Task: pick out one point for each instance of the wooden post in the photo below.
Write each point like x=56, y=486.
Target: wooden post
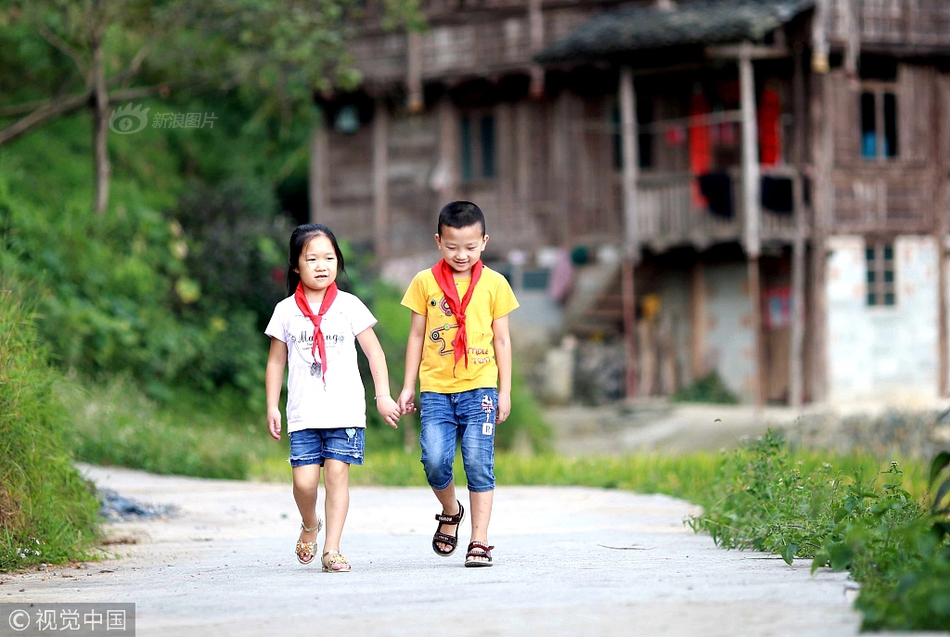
x=750, y=205
x=940, y=229
x=698, y=320
x=318, y=172
x=561, y=157
x=631, y=165
x=381, y=181
x=414, y=100
x=797, y=341
x=822, y=210
x=448, y=177
x=536, y=31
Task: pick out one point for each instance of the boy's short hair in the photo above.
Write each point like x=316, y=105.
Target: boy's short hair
x=461, y=214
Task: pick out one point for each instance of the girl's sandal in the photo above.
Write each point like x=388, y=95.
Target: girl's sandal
x=308, y=548
x=479, y=554
x=442, y=538
x=332, y=559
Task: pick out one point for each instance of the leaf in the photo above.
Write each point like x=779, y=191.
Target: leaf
x=841, y=556
x=941, y=492
x=788, y=553
x=938, y=465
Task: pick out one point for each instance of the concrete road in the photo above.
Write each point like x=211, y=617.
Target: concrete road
x=569, y=561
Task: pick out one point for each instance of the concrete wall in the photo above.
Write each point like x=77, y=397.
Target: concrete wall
x=882, y=354
x=730, y=343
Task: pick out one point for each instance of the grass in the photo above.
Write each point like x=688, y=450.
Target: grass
x=47, y=511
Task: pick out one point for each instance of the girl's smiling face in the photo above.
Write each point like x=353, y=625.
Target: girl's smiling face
x=317, y=264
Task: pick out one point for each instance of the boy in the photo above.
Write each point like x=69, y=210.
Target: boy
x=460, y=349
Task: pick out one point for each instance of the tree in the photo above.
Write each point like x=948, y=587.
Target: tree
x=279, y=50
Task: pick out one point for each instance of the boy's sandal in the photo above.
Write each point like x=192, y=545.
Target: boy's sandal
x=308, y=548
x=442, y=538
x=334, y=562
x=479, y=554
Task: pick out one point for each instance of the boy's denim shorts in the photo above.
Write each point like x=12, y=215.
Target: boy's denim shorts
x=313, y=446
x=446, y=418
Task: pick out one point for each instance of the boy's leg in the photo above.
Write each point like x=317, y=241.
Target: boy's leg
x=437, y=440
x=476, y=413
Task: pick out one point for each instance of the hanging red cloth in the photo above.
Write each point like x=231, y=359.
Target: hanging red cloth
x=700, y=157
x=770, y=137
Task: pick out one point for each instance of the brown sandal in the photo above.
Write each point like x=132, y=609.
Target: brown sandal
x=484, y=551
x=442, y=538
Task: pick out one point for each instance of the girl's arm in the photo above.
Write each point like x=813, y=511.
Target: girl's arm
x=273, y=382
x=417, y=335
x=377, y=365
x=502, y=343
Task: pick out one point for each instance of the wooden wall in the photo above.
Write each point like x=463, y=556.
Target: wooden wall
x=893, y=195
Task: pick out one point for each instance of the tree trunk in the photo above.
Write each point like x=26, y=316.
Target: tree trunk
x=100, y=128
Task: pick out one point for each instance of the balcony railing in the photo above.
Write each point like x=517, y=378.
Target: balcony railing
x=905, y=22
x=670, y=212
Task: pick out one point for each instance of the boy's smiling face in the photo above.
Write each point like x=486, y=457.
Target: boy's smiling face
x=462, y=247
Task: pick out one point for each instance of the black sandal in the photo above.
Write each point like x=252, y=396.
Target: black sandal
x=442, y=538
x=484, y=554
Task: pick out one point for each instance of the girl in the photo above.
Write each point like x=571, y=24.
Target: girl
x=312, y=332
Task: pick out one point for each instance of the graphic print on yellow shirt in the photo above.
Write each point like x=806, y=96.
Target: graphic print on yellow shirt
x=492, y=299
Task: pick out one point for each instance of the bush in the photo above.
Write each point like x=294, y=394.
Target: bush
x=47, y=512
x=708, y=389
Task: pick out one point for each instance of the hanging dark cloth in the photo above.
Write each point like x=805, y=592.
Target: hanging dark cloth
x=717, y=189
x=777, y=194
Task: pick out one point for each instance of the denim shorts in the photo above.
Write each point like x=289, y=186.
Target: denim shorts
x=446, y=418
x=313, y=446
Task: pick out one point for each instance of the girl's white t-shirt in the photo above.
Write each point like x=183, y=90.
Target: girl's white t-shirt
x=310, y=404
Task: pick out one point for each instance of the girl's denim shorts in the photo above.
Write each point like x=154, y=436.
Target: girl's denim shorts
x=313, y=446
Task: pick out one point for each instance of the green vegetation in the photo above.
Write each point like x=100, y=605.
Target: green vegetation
x=708, y=389
x=871, y=523
x=47, y=512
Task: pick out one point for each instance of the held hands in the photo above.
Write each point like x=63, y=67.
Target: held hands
x=273, y=422
x=389, y=410
x=406, y=401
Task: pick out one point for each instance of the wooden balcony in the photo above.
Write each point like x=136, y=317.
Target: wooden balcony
x=883, y=199
x=467, y=42
x=669, y=215
x=921, y=24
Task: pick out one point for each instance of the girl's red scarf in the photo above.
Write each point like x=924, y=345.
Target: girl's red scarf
x=445, y=277
x=319, y=343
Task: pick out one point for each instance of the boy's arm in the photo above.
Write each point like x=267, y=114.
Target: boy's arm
x=502, y=344
x=377, y=366
x=417, y=335
x=273, y=382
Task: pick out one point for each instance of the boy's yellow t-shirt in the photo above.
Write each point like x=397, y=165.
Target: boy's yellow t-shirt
x=492, y=299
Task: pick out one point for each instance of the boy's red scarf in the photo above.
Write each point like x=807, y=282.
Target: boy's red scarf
x=445, y=277
x=319, y=343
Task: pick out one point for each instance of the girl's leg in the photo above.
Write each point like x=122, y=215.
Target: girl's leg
x=306, y=481
x=336, y=480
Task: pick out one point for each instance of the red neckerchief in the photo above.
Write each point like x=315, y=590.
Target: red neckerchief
x=445, y=277
x=319, y=342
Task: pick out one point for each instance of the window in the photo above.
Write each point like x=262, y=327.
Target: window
x=478, y=147
x=882, y=290
x=878, y=121
x=644, y=140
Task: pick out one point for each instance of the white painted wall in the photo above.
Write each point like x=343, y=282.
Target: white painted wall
x=730, y=344
x=882, y=354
